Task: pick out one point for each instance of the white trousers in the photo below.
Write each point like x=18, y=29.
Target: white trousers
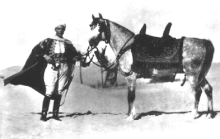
x=57, y=80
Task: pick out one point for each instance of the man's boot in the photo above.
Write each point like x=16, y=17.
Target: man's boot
x=46, y=103
x=56, y=107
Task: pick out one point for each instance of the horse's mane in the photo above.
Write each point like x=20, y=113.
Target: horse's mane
x=122, y=28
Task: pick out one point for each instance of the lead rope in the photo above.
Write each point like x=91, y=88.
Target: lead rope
x=72, y=74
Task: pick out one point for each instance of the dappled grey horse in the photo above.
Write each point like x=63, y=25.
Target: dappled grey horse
x=195, y=56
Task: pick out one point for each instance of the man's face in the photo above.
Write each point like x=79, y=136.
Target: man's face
x=60, y=30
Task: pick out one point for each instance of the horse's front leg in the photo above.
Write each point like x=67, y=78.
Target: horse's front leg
x=131, y=82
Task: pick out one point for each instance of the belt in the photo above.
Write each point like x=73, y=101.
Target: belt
x=60, y=60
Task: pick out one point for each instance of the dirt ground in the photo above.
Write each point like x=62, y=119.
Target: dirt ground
x=163, y=112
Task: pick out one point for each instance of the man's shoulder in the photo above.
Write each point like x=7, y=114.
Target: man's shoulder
x=68, y=41
x=46, y=40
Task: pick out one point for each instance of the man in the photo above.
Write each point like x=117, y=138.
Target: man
x=59, y=56
x=48, y=70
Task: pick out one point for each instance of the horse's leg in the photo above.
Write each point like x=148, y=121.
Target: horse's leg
x=208, y=90
x=197, y=91
x=131, y=82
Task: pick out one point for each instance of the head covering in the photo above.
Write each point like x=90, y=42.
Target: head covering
x=60, y=23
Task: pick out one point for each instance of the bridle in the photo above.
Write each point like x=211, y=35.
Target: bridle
x=89, y=50
x=106, y=29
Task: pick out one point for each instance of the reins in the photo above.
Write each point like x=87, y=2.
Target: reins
x=72, y=69
x=115, y=62
x=99, y=65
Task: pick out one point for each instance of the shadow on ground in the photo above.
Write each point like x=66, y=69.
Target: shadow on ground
x=75, y=114
x=157, y=113
x=141, y=115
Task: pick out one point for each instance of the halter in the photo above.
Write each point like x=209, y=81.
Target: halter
x=89, y=50
x=101, y=63
x=106, y=30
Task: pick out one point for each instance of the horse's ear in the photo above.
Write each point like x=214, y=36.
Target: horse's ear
x=93, y=17
x=143, y=30
x=100, y=16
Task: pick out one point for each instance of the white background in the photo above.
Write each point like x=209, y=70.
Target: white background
x=25, y=23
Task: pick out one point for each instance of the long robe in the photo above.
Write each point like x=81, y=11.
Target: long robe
x=33, y=71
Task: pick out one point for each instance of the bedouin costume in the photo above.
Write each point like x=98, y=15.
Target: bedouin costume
x=50, y=79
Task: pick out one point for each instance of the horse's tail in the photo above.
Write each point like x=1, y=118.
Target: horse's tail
x=208, y=59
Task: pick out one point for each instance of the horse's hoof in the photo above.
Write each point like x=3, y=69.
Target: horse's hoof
x=209, y=116
x=195, y=114
x=130, y=118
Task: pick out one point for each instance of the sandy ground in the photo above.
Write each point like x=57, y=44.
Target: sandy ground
x=163, y=112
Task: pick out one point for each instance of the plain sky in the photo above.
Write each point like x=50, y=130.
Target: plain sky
x=24, y=23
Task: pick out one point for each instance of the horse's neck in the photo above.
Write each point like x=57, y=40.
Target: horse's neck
x=119, y=36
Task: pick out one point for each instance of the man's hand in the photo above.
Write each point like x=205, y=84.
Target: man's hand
x=48, y=59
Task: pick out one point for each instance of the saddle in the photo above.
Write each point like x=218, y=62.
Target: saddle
x=156, y=52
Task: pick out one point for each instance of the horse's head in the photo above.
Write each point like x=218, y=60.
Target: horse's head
x=116, y=36
x=103, y=34
x=97, y=21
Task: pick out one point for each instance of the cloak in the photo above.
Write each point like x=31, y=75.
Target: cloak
x=32, y=74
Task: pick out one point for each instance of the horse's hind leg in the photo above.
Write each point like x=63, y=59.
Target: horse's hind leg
x=197, y=91
x=131, y=82
x=197, y=95
x=208, y=90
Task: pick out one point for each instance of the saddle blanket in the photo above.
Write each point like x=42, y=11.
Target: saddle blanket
x=154, y=52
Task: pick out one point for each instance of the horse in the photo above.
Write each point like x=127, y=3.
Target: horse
x=196, y=58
